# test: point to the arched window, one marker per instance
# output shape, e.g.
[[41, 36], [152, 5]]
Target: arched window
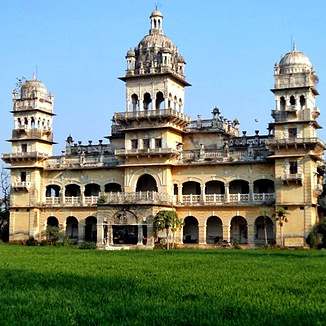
[[52, 221], [214, 187], [92, 189], [175, 103], [154, 23], [302, 101], [32, 123], [52, 191], [239, 187], [282, 103], [180, 105], [190, 230], [263, 186], [134, 102], [159, 101], [72, 190], [147, 102], [146, 183], [191, 188], [292, 100]]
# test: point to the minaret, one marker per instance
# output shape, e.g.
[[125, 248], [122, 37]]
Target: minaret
[[31, 145], [295, 144]]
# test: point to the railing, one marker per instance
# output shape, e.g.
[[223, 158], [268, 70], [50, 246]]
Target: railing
[[292, 177], [263, 197], [239, 198], [149, 197], [52, 200], [72, 200], [91, 200], [191, 199], [22, 184], [214, 198], [151, 113], [25, 155], [294, 141], [147, 151]]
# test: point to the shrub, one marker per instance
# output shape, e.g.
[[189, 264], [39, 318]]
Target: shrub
[[31, 241], [87, 245], [52, 235]]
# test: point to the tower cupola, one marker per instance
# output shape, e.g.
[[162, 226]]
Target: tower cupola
[[156, 22]]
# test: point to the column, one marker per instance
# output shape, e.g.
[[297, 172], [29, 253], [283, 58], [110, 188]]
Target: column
[[110, 235], [251, 234], [81, 231], [202, 233], [227, 192], [128, 105], [203, 197], [180, 194], [277, 104], [251, 191], [150, 236], [166, 103], [140, 235], [226, 232], [100, 235], [82, 195], [63, 190]]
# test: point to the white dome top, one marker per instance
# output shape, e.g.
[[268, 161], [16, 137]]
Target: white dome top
[[293, 60]]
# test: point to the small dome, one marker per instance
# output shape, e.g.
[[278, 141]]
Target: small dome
[[158, 40], [156, 13], [181, 59], [295, 59], [33, 88], [131, 53]]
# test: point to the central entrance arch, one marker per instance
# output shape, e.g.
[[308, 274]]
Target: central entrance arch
[[146, 183]]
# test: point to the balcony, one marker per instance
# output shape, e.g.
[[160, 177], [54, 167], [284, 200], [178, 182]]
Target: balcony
[[24, 156], [292, 177], [24, 185], [52, 201], [72, 201], [275, 142], [239, 198], [147, 152], [91, 200], [151, 114]]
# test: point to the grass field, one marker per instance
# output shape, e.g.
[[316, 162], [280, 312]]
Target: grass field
[[64, 286]]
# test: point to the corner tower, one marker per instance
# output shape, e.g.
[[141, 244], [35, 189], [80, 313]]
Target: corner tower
[[298, 151]]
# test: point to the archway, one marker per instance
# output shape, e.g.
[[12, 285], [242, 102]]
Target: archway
[[92, 189], [91, 229], [72, 228], [112, 187], [190, 230], [52, 230], [146, 183], [239, 230], [264, 230], [214, 230], [159, 100]]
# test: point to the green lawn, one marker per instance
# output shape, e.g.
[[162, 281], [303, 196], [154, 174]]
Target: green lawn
[[64, 286]]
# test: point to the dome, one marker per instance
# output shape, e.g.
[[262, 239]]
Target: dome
[[33, 88], [155, 13], [181, 59], [157, 40], [130, 53], [295, 59]]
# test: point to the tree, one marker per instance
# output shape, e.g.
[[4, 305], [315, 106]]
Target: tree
[[280, 217], [4, 204], [168, 221]]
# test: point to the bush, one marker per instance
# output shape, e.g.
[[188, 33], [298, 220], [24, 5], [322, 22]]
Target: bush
[[52, 235], [31, 241], [87, 245], [312, 240]]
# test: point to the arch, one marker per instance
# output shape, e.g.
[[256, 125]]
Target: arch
[[52, 191], [32, 123], [190, 230], [191, 188], [175, 102], [72, 228], [292, 100], [264, 186], [52, 221], [134, 102], [214, 187], [214, 230], [72, 190], [302, 101], [112, 187], [170, 100], [175, 189], [239, 187], [146, 182], [239, 230], [282, 103], [180, 104], [91, 229], [92, 189], [159, 101], [264, 230], [147, 102]]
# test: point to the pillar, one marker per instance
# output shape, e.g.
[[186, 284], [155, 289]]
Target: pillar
[[251, 234], [203, 197], [226, 232], [150, 236], [81, 232], [100, 239], [227, 192], [166, 103], [180, 194], [251, 191], [202, 233], [140, 235], [82, 195]]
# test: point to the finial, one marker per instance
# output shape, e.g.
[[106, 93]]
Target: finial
[[294, 47], [34, 76]]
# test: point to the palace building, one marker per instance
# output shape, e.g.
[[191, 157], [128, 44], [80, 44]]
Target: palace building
[[221, 183]]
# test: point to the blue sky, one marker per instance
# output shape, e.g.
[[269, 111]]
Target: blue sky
[[79, 48]]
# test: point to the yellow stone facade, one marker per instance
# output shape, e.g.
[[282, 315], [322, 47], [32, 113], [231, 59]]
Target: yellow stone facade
[[220, 183]]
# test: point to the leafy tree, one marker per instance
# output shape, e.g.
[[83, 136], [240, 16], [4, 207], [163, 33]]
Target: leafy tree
[[168, 221], [280, 217], [4, 204]]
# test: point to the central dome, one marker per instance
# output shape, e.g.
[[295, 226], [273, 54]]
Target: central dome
[[295, 61]]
